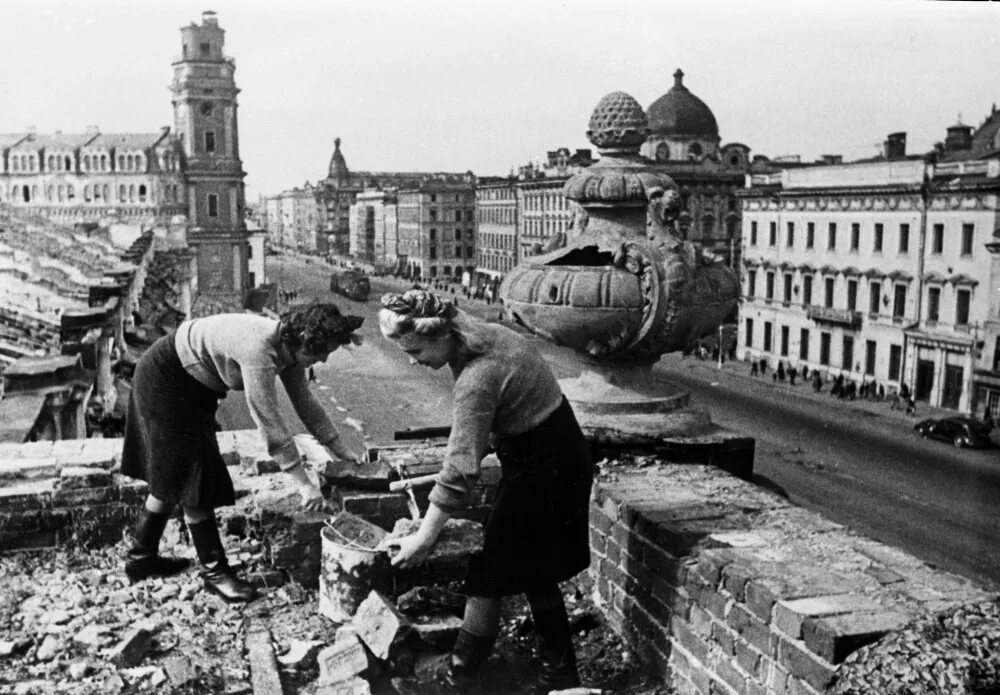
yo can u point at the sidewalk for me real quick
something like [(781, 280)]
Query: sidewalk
[(803, 390)]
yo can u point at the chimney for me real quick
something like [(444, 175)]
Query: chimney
[(209, 19), (30, 129), (895, 146)]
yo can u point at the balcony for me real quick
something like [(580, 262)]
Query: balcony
[(841, 317)]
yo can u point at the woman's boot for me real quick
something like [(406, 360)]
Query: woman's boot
[(469, 653), (558, 660), (143, 559), (218, 577)]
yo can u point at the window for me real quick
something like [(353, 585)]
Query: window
[(784, 341), (831, 237), (434, 198), (996, 356), (828, 285), (899, 302), (470, 252), (469, 215), (879, 234), (847, 356), (458, 235), (433, 214), (810, 235), (433, 253), (205, 49), (749, 333), (753, 233), (895, 361), (213, 205), (803, 343), (962, 298), (967, 232), (855, 236), (767, 336), (824, 349), (790, 235), (432, 235), (933, 303), (852, 295), (874, 297), (937, 239), (210, 141), (769, 287), (772, 234), (807, 289), (870, 352), (787, 295), (751, 283), (249, 253), (904, 238)]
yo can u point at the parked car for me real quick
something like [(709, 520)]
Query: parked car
[(960, 431)]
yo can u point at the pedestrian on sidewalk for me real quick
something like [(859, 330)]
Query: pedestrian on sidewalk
[(791, 375), (537, 530), (780, 371), (170, 426), (763, 366), (817, 381), (754, 369)]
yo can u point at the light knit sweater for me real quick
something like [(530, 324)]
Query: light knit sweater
[(507, 390), (243, 352)]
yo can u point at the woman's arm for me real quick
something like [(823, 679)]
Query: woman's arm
[(415, 548)]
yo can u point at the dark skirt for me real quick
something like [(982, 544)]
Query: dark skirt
[(170, 433), (537, 529)]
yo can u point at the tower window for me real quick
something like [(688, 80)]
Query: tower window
[(210, 141), (206, 49), (213, 205)]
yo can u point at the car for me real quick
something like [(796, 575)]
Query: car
[(960, 431)]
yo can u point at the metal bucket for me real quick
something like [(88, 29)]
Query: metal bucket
[(351, 566)]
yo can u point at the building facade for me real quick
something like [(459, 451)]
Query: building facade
[(190, 179), (374, 228), (497, 220), (876, 271), (437, 230)]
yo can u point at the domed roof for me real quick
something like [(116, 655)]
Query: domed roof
[(679, 112), (338, 167)]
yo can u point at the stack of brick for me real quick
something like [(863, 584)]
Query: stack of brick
[(723, 587), (56, 492)]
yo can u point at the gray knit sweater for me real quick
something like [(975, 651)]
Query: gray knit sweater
[(243, 352)]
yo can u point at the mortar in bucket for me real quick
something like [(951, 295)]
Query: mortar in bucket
[(352, 565)]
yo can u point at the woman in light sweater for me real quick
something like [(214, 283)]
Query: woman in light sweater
[(170, 426), (536, 531)]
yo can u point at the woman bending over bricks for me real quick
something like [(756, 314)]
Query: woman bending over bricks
[(536, 531), (170, 427)]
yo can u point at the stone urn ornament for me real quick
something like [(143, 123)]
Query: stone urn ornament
[(626, 290)]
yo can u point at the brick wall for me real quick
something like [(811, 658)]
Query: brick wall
[(724, 588)]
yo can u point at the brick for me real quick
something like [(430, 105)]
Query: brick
[(598, 542), (87, 460), (681, 539), (775, 678), (732, 676), (835, 637), (789, 615), (28, 468), (613, 552), (710, 566), (803, 664), (700, 621), (379, 624), (610, 509), (718, 603), (76, 477), (76, 497), (748, 658), (41, 449), (750, 627), (25, 495), (133, 647), (660, 562), (342, 660), (725, 637), (689, 639), (599, 520), (353, 686), (798, 687), (111, 448), (621, 534)]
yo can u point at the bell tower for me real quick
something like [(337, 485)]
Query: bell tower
[(204, 99)]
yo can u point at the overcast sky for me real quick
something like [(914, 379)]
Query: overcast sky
[(461, 85)]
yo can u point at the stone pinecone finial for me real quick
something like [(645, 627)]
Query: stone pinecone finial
[(618, 122)]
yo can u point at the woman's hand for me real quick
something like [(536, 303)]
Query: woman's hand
[(314, 501), (412, 550), (340, 451)]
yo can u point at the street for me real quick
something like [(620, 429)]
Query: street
[(859, 464)]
